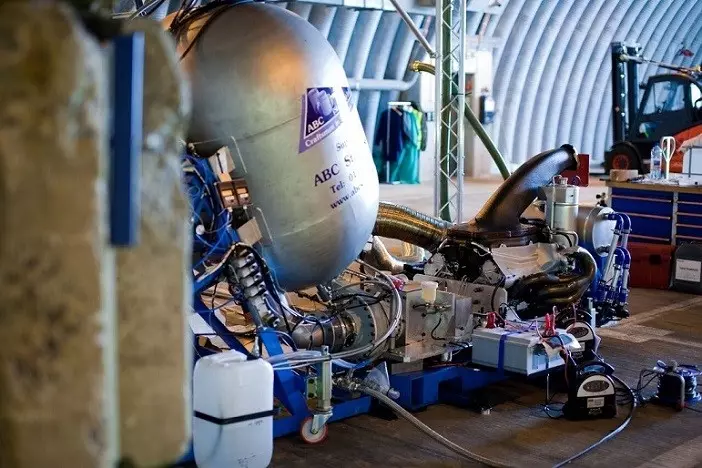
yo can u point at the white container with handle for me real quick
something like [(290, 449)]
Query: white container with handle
[(226, 386)]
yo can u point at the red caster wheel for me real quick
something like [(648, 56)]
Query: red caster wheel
[(308, 436)]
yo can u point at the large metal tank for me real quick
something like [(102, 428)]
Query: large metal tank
[(268, 85)]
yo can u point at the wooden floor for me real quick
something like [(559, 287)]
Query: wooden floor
[(665, 325)]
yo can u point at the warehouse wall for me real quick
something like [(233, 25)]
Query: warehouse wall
[(552, 79), (552, 70), (552, 64)]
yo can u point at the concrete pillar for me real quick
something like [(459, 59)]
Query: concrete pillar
[(154, 292), (57, 388)]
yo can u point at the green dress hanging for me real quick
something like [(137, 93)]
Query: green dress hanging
[(406, 170)]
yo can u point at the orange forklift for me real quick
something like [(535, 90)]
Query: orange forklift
[(671, 106)]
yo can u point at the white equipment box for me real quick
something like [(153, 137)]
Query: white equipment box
[(522, 352), (692, 161)]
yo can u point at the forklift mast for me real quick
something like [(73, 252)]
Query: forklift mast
[(625, 88)]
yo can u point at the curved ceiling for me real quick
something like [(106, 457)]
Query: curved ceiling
[(552, 76), (552, 70), (552, 66)]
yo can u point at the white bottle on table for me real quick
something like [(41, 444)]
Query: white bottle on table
[(656, 161)]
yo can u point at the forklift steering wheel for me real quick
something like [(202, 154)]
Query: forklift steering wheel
[(698, 108)]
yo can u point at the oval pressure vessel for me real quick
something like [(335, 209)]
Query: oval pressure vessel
[(269, 86)]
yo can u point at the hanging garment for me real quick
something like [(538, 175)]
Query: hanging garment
[(389, 136), (422, 128), (406, 169), (422, 116)]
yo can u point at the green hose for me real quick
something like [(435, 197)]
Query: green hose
[(474, 123)]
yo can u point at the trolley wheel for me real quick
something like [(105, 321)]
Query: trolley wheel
[(308, 436)]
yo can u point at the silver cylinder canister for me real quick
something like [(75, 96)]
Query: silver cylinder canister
[(562, 205)]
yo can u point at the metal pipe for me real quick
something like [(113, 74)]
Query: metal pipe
[(474, 123), (405, 224), (461, 104), (379, 257), (444, 112), (387, 401), (542, 288), (370, 84), (324, 404), (626, 229), (615, 241), (555, 292), (413, 27), (437, 105), (612, 290), (144, 8), (624, 290)]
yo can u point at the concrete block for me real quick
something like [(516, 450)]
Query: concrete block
[(154, 291), (57, 368)]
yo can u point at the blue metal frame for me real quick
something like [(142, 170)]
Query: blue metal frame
[(128, 117), (290, 388), (417, 390)]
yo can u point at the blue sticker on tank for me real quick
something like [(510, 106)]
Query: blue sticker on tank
[(321, 114)]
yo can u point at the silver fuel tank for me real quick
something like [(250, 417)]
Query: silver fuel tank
[(269, 86)]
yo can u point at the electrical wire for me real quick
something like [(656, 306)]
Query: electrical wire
[(612, 434), (434, 330), (549, 400), (154, 3), (387, 401)]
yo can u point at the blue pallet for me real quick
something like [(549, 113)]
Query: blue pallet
[(449, 384)]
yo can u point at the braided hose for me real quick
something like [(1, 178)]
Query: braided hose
[(387, 401), (408, 225)]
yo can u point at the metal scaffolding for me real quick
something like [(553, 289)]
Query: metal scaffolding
[(449, 104)]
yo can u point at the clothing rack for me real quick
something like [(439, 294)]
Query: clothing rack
[(392, 105)]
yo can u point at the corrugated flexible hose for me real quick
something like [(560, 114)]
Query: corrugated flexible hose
[(405, 224), (387, 401)]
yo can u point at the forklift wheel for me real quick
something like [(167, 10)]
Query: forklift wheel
[(622, 156)]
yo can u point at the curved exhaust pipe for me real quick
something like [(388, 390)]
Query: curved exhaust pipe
[(506, 205), (553, 290)]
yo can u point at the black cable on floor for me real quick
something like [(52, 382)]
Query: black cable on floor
[(612, 434)]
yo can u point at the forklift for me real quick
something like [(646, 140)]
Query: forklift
[(671, 106)]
